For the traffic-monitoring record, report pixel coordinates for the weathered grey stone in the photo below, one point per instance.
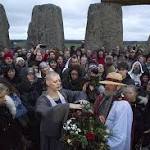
(149, 39)
(46, 26)
(4, 27)
(104, 26)
(148, 46)
(128, 2)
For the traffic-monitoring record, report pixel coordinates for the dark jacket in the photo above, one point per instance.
(10, 133)
(29, 92)
(14, 82)
(146, 116)
(21, 71)
(128, 80)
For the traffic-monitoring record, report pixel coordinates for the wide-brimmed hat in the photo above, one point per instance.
(113, 78)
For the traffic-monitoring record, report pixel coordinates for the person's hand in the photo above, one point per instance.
(75, 106)
(102, 119)
(36, 49)
(147, 131)
(84, 87)
(143, 100)
(82, 102)
(79, 112)
(91, 87)
(38, 46)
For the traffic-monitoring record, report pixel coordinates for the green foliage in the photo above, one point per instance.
(92, 134)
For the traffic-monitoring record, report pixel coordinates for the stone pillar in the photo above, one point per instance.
(128, 2)
(148, 46)
(4, 27)
(104, 26)
(46, 26)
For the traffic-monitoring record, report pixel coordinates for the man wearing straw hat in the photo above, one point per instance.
(116, 114)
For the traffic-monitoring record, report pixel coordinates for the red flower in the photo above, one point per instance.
(90, 136)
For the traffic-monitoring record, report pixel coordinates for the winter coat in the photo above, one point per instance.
(29, 92)
(128, 80)
(10, 133)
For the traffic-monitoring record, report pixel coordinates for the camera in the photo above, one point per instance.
(43, 46)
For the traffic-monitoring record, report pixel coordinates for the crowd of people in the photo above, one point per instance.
(40, 85)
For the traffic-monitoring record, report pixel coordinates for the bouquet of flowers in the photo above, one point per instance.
(84, 132)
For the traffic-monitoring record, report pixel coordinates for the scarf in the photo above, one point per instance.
(103, 105)
(53, 103)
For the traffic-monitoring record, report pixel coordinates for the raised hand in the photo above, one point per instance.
(75, 106)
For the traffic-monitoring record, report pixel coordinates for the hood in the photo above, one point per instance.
(141, 69)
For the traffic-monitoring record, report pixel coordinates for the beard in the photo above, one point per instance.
(136, 71)
(108, 93)
(76, 81)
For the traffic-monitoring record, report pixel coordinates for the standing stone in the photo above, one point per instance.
(148, 40)
(4, 27)
(128, 2)
(104, 26)
(148, 46)
(46, 26)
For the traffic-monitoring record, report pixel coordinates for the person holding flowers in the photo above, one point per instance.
(53, 108)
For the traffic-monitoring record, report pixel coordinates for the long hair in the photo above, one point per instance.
(7, 69)
(10, 87)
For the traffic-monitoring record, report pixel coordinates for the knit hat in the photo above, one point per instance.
(8, 55)
(43, 65)
(19, 59)
(30, 70)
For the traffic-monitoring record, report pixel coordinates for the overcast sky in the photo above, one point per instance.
(136, 19)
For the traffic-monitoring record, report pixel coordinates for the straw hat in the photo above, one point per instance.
(113, 78)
